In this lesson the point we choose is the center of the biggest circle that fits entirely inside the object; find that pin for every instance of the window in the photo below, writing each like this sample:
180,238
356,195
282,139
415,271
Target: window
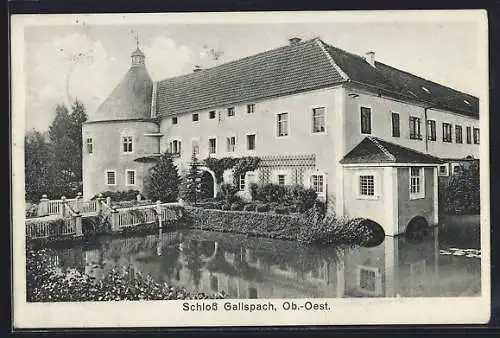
195,145
174,120
318,119
230,111
366,120
369,280
317,183
250,108
251,142
174,147
367,185
456,168
242,182
282,124
127,144
443,170
196,117
90,146
431,130
415,128
212,146
417,183
469,137
281,179
110,177
395,125
458,134
231,144
446,132
130,177
211,114
476,135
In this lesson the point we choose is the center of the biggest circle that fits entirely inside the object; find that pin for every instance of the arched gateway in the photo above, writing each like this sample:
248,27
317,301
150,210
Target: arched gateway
208,182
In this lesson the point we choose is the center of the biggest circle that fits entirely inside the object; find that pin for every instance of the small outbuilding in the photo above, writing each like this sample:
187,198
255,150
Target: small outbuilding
392,185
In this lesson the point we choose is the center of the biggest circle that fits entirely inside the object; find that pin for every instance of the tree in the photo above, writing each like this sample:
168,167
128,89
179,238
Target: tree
37,165
461,195
164,180
65,134
193,180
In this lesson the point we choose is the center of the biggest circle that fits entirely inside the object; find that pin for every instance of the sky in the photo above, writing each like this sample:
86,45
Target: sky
86,61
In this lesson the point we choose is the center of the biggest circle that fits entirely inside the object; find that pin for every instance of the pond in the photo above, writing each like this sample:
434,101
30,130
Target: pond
250,267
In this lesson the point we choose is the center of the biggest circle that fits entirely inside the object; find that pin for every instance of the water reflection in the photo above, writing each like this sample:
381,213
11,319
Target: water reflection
245,267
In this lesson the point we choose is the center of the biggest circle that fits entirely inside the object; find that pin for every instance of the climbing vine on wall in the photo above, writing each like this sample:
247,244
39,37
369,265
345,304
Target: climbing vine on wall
239,165
245,164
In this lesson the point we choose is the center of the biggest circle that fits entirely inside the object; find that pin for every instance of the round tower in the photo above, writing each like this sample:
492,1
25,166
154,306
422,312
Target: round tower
118,148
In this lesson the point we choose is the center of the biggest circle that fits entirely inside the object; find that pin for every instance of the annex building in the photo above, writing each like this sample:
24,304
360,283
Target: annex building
370,138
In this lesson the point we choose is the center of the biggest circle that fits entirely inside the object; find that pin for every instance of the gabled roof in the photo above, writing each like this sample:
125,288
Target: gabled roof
375,150
131,98
395,82
280,71
303,66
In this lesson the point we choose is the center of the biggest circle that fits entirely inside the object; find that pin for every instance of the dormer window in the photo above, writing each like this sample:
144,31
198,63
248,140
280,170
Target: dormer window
426,90
412,93
467,102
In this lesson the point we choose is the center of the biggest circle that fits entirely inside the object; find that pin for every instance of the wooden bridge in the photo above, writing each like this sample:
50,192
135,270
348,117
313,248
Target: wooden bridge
63,218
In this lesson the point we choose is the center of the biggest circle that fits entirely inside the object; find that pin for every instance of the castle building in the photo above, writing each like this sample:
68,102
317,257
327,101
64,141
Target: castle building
366,136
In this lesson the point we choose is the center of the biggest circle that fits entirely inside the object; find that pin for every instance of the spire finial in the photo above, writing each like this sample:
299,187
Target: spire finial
137,39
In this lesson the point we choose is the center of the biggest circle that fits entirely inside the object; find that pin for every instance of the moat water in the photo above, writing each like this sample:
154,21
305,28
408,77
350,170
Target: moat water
249,267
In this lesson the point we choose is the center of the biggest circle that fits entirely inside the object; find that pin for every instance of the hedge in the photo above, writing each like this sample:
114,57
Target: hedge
310,228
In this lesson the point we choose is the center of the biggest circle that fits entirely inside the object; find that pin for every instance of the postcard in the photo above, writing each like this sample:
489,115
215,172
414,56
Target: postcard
250,169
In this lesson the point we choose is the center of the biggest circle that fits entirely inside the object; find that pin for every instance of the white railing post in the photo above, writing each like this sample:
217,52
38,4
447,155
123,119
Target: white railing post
43,206
138,197
63,206
158,211
108,201
99,203
78,224
79,202
181,202
114,220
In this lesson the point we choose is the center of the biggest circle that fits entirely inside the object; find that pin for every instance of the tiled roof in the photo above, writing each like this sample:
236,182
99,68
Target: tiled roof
299,67
280,71
375,150
131,98
392,81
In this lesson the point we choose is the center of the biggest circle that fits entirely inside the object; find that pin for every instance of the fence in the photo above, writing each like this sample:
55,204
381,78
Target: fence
48,207
147,214
61,227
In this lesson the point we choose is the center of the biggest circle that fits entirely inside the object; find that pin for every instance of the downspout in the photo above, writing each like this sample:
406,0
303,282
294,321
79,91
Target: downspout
426,130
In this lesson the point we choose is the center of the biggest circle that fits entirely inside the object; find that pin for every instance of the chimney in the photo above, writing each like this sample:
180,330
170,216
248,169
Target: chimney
370,58
196,68
293,41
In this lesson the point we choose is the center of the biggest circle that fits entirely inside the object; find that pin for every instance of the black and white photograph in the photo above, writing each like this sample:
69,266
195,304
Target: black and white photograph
231,169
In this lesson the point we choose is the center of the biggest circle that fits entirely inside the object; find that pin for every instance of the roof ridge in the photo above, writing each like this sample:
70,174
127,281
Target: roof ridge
400,70
238,60
382,148
335,66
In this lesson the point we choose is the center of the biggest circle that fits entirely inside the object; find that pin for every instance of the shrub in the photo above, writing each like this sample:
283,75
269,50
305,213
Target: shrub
163,180
236,206
249,207
228,192
461,194
281,209
118,196
226,206
262,207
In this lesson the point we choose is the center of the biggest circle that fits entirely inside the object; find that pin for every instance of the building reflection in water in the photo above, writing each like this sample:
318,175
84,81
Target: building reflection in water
246,267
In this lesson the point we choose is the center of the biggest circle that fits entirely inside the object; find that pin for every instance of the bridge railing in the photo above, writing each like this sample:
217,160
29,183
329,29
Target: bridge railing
163,213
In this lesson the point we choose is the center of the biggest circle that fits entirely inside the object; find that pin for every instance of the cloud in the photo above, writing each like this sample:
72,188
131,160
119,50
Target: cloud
165,58
76,66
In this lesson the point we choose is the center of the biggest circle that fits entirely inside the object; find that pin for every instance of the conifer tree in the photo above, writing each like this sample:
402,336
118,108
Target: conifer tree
164,180
193,180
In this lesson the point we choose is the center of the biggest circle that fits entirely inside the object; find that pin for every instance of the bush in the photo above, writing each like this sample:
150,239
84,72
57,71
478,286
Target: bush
210,204
301,198
226,207
236,206
228,192
281,209
262,207
461,194
118,196
249,207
